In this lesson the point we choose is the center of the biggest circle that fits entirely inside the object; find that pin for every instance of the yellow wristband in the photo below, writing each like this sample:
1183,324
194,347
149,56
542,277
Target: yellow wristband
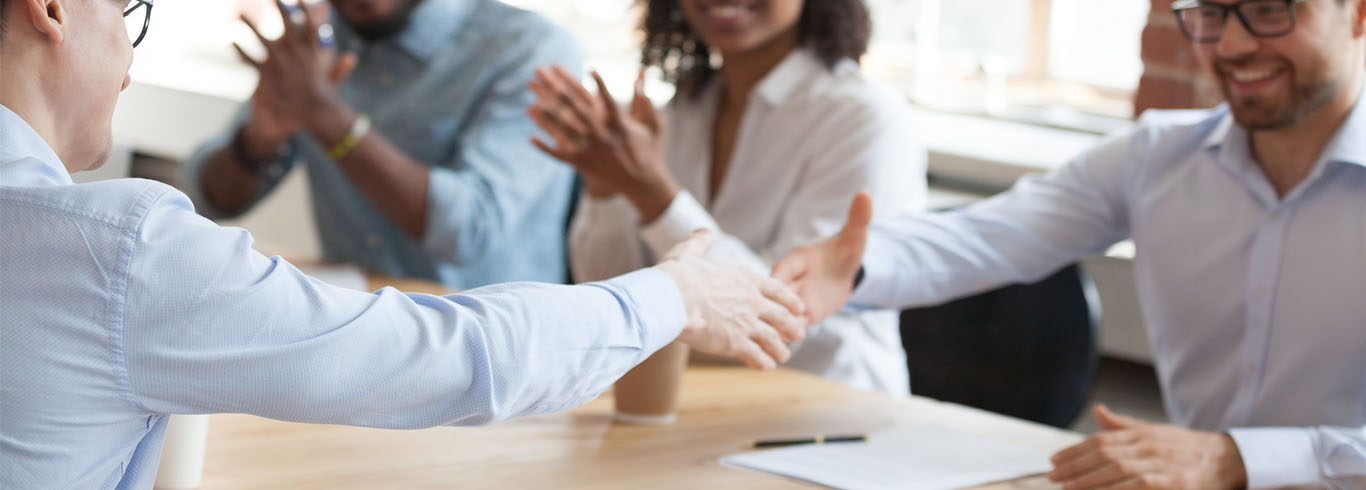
353,137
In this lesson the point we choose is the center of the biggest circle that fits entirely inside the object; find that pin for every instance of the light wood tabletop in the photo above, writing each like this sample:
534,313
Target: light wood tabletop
722,410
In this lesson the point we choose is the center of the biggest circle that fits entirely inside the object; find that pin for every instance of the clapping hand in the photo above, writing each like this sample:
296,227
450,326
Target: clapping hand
298,77
614,151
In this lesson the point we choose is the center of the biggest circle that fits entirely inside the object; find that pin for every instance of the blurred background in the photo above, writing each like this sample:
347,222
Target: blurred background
1040,80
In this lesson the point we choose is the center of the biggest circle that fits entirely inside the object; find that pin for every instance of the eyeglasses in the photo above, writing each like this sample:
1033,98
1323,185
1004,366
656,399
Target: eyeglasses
137,18
1204,22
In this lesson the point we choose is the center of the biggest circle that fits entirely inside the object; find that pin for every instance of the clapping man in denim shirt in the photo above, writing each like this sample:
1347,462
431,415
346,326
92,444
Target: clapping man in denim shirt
415,140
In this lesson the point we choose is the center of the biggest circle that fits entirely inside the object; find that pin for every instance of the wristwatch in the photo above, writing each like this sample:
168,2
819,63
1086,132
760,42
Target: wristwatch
238,146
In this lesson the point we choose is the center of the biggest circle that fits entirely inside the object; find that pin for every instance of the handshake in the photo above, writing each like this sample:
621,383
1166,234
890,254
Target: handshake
735,312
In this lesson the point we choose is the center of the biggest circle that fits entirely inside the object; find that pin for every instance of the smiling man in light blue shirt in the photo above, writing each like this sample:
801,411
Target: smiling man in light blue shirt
442,183
1250,226
120,305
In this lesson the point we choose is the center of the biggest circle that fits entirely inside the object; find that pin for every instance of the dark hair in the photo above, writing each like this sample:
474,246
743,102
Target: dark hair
834,29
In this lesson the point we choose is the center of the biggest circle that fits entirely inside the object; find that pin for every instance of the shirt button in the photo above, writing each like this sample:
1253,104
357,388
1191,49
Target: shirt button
372,240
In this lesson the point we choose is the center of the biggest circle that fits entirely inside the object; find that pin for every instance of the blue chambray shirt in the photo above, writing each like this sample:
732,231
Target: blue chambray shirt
451,92
120,305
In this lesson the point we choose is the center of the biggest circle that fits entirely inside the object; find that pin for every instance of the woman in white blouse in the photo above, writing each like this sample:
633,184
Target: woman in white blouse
767,149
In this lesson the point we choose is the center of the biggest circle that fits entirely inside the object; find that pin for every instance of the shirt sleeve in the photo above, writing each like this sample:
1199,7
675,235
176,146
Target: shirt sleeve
1321,457
499,179
865,147
1024,234
210,325
602,239
189,182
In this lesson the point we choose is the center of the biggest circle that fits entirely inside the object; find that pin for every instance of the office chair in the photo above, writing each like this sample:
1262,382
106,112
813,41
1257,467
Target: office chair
1027,350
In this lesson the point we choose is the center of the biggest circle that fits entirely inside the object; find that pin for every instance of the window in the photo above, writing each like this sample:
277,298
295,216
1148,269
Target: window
1011,57
1047,60
1043,60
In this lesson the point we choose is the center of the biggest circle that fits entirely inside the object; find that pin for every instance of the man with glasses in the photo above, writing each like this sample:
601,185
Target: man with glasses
1250,226
119,305
413,131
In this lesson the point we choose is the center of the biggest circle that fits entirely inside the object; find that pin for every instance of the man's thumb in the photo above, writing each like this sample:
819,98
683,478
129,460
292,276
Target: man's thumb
1108,420
860,217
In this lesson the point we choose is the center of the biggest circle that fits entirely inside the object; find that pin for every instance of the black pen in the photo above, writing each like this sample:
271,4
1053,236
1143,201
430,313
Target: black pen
819,439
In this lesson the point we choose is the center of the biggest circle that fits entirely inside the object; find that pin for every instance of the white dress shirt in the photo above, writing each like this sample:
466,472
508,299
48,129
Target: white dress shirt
810,139
1254,303
119,305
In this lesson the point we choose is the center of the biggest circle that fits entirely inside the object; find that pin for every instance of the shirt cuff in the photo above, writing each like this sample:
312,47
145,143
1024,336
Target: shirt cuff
683,216
1277,456
878,288
656,303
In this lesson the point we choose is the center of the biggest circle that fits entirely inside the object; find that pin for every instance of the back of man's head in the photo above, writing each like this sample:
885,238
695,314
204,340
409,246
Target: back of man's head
65,62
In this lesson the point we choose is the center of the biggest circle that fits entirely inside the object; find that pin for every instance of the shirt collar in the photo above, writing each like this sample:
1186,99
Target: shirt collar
800,67
1348,145
430,25
25,158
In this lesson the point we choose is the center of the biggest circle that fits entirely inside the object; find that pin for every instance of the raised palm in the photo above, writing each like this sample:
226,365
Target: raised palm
822,274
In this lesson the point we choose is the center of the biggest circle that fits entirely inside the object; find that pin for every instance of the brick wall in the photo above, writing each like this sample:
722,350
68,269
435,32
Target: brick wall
1172,77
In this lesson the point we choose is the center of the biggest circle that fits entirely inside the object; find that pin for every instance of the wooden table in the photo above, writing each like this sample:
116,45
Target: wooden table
723,409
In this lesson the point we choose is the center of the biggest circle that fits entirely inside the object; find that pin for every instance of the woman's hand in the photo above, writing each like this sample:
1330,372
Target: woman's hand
614,152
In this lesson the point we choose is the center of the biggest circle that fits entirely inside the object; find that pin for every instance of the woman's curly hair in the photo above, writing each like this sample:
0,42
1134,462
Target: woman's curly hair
834,29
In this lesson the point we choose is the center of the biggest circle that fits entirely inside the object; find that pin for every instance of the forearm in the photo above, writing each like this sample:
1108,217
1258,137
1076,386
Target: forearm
226,181
652,196
683,215
395,183
603,239
243,333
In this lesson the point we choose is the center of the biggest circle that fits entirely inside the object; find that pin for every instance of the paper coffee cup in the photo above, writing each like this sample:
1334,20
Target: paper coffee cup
182,456
648,394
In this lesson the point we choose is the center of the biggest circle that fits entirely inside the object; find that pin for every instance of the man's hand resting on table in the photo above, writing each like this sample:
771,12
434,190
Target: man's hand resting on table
733,311
1133,454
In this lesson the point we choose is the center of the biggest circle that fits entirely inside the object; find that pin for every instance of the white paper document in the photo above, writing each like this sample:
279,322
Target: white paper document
923,457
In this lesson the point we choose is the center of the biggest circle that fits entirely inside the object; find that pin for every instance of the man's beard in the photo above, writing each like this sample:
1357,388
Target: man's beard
1265,113
385,28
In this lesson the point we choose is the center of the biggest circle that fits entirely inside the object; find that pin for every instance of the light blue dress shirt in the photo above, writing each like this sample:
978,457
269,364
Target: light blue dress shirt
119,305
1255,304
451,92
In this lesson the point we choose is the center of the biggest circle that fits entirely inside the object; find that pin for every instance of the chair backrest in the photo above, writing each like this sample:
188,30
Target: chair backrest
1027,351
